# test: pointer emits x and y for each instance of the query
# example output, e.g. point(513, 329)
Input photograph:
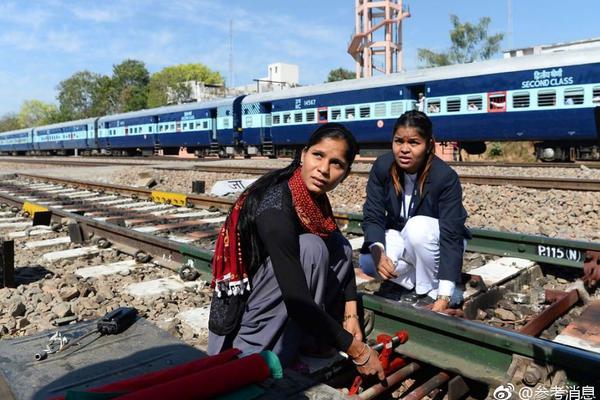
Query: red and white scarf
point(230, 271)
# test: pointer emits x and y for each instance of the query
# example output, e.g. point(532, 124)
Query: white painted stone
point(15, 225)
point(357, 242)
point(498, 271)
point(60, 191)
point(104, 198)
point(160, 286)
point(48, 242)
point(181, 239)
point(231, 186)
point(109, 269)
point(152, 207)
point(6, 213)
point(577, 342)
point(196, 318)
point(117, 201)
point(87, 195)
point(70, 254)
point(134, 205)
point(146, 229)
point(41, 230)
point(12, 219)
point(212, 220)
point(196, 214)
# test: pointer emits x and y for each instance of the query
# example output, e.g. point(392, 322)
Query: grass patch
point(504, 152)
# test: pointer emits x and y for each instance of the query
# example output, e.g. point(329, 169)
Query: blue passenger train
point(552, 100)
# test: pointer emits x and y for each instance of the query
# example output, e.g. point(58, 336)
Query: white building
point(552, 48)
point(279, 76)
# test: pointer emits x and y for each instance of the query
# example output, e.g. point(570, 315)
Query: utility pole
point(231, 83)
point(511, 44)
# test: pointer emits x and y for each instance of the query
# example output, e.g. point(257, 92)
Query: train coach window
point(546, 98)
point(596, 95)
point(276, 119)
point(287, 118)
point(172, 127)
point(433, 106)
point(298, 117)
point(149, 129)
point(364, 111)
point(521, 100)
point(453, 104)
point(310, 116)
point(185, 125)
point(497, 102)
point(349, 112)
point(574, 96)
point(474, 103)
point(336, 113)
point(204, 124)
point(323, 115)
point(397, 109)
point(379, 110)
point(249, 121)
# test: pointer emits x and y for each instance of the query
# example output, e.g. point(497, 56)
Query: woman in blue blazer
point(413, 217)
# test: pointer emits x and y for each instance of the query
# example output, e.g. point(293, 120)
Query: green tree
point(469, 43)
point(36, 113)
point(76, 96)
point(340, 74)
point(171, 83)
point(130, 86)
point(9, 122)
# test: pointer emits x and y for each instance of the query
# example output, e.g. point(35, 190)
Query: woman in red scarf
point(282, 271)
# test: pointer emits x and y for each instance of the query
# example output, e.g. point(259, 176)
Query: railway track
point(442, 351)
point(591, 185)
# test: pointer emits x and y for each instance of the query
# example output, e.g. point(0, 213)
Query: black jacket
point(441, 199)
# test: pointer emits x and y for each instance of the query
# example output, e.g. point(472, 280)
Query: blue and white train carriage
point(64, 138)
point(193, 126)
point(553, 99)
point(16, 142)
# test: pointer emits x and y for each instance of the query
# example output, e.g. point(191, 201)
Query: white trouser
point(416, 254)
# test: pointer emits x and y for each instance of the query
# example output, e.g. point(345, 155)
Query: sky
point(45, 41)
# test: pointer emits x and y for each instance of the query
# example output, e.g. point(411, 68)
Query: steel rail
point(589, 185)
point(91, 163)
point(474, 350)
point(570, 253)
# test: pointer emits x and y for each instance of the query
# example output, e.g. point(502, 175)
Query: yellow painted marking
point(32, 208)
point(176, 199)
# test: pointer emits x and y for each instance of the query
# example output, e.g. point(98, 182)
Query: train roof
point(169, 109)
point(67, 123)
point(558, 59)
point(24, 130)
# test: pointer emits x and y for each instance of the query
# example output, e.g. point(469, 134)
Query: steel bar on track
point(471, 349)
point(561, 303)
point(433, 383)
point(392, 380)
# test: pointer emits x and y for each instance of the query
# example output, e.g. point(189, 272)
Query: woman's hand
point(385, 266)
point(366, 358)
point(352, 325)
point(351, 322)
point(439, 306)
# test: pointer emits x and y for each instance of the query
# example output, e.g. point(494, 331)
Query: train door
point(213, 124)
point(322, 115)
point(265, 133)
point(416, 97)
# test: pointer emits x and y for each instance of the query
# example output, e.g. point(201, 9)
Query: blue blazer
point(441, 199)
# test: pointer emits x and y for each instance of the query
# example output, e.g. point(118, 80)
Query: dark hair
point(251, 249)
point(422, 124)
